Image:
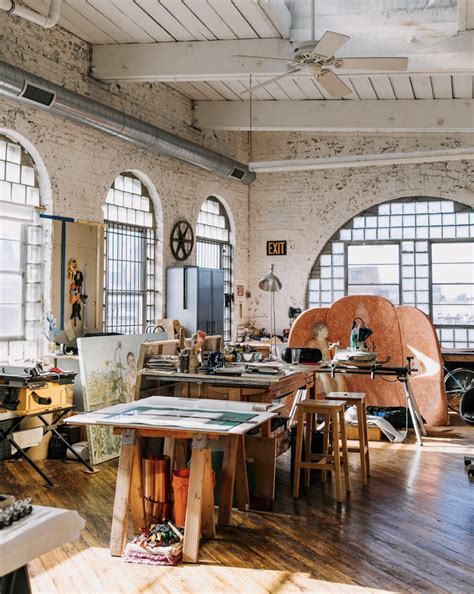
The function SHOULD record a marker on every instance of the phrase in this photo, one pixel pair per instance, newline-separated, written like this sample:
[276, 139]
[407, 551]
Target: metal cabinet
[195, 297]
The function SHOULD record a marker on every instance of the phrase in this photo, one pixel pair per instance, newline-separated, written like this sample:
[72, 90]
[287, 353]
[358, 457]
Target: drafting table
[174, 418]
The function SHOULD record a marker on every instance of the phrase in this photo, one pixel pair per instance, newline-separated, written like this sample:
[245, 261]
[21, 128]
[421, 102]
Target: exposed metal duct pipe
[11, 7]
[37, 92]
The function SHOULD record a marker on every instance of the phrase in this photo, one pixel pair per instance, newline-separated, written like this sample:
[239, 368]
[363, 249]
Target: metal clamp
[129, 437]
[200, 441]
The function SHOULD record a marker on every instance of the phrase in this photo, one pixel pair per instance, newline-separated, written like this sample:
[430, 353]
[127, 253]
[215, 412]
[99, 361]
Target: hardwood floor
[410, 530]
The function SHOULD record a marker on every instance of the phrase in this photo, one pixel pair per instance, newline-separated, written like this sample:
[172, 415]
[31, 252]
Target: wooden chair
[334, 454]
[357, 399]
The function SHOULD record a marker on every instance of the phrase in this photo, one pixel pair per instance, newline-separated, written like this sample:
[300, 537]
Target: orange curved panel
[378, 314]
[301, 332]
[420, 341]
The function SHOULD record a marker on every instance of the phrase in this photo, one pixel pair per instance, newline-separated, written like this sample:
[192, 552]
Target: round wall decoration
[182, 240]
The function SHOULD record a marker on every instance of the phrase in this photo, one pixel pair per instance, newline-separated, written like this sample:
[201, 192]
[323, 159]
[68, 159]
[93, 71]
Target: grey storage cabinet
[195, 297]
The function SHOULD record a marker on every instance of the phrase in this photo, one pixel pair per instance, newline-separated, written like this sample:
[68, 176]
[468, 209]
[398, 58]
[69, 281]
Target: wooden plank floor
[411, 530]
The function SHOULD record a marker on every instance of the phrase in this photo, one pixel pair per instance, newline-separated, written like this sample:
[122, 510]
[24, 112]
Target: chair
[334, 454]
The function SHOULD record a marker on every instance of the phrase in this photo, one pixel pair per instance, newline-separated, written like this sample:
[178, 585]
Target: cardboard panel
[378, 314]
[301, 333]
[420, 341]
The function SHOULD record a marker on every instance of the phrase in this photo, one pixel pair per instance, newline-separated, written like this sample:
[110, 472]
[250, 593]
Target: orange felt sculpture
[398, 332]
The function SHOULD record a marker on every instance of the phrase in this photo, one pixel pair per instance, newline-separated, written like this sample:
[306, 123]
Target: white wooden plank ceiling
[104, 22]
[147, 21]
[376, 86]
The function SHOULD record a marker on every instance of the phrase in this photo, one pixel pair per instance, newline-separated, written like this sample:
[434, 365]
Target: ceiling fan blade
[270, 81]
[392, 64]
[329, 43]
[262, 58]
[333, 84]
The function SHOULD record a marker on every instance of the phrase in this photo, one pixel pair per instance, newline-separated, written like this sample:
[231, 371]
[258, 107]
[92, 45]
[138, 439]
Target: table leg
[336, 454]
[30, 461]
[344, 450]
[208, 519]
[367, 455]
[168, 450]
[137, 502]
[118, 536]
[228, 479]
[241, 479]
[362, 441]
[194, 510]
[307, 448]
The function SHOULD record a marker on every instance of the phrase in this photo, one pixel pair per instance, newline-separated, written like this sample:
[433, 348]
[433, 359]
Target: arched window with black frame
[129, 268]
[417, 251]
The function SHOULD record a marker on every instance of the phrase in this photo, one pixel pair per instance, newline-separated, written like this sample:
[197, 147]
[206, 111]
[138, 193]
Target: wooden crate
[373, 433]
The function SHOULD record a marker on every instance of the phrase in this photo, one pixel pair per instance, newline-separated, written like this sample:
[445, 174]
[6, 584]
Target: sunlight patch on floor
[58, 573]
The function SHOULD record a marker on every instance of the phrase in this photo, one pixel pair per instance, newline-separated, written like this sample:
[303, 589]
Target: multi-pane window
[214, 250]
[374, 270]
[416, 252]
[20, 254]
[129, 276]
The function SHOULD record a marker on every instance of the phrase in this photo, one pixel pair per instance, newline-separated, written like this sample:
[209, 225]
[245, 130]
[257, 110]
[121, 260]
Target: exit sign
[276, 248]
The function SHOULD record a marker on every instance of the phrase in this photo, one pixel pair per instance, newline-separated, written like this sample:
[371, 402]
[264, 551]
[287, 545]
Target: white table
[45, 529]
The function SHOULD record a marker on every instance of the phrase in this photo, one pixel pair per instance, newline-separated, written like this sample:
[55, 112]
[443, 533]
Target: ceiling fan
[319, 59]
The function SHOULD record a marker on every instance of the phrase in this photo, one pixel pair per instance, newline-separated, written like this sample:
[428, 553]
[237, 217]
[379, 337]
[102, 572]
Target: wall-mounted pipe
[11, 7]
[35, 91]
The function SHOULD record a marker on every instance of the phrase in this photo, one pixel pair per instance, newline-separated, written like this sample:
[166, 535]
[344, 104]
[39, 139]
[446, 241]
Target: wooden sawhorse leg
[128, 493]
[200, 505]
[234, 472]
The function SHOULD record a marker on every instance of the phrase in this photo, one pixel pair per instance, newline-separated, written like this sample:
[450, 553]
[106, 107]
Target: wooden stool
[334, 454]
[357, 399]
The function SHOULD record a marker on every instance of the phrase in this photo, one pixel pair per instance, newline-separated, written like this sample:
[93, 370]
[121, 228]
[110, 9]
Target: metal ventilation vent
[237, 173]
[38, 95]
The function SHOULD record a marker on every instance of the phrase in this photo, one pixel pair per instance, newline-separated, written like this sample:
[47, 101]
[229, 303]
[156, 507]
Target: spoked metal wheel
[456, 383]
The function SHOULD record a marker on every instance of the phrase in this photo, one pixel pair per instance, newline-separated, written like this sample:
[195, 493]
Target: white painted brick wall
[82, 163]
[307, 208]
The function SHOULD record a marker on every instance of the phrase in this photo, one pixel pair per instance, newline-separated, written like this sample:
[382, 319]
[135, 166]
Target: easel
[401, 373]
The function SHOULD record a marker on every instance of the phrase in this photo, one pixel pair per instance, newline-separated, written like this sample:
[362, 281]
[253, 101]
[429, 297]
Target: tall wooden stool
[333, 456]
[357, 399]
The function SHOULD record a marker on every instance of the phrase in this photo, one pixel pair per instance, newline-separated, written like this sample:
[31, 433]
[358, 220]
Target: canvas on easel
[108, 366]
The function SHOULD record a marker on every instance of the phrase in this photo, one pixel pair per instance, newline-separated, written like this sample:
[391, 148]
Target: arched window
[129, 275]
[412, 251]
[214, 250]
[21, 254]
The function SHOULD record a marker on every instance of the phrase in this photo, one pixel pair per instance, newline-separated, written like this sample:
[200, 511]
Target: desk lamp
[271, 284]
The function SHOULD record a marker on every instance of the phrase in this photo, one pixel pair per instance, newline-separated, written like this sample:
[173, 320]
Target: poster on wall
[108, 366]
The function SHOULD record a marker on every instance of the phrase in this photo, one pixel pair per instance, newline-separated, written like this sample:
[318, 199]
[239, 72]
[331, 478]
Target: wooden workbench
[184, 425]
[249, 387]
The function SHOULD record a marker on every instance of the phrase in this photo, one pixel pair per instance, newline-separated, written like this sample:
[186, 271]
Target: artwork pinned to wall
[108, 366]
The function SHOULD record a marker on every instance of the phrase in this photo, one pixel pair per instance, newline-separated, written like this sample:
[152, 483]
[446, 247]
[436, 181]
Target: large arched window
[214, 250]
[21, 254]
[129, 275]
[412, 251]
